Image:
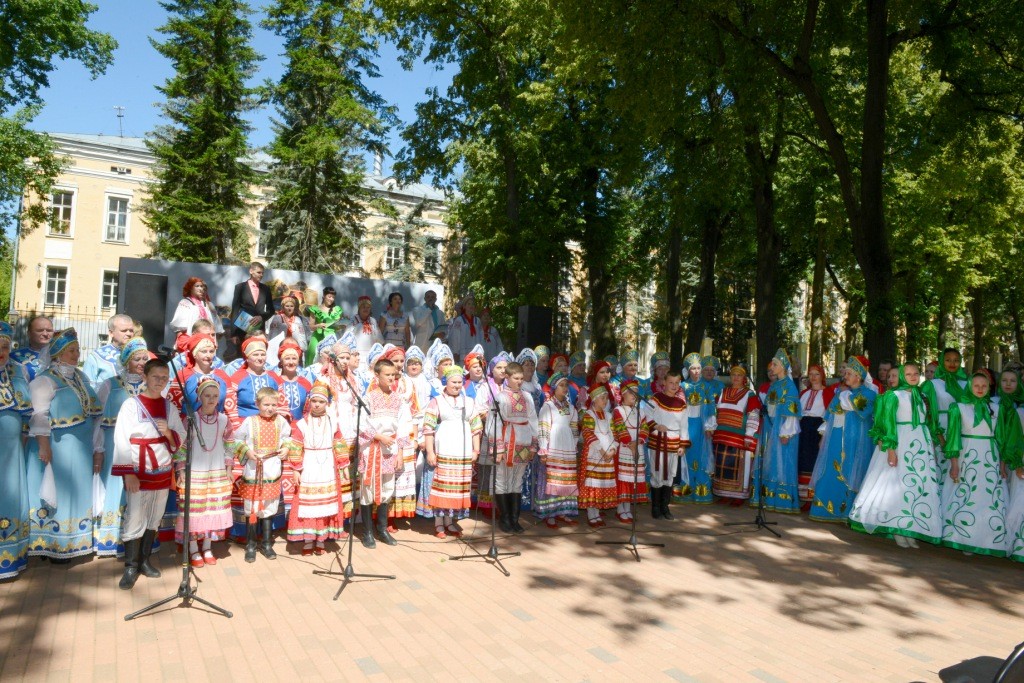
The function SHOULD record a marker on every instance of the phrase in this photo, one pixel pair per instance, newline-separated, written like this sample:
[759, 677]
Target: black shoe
[366, 512]
[656, 502]
[131, 565]
[250, 542]
[267, 548]
[145, 550]
[516, 500]
[382, 525]
[666, 498]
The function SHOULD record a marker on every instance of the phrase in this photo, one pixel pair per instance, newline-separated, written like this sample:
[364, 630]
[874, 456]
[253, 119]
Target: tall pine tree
[328, 119]
[199, 201]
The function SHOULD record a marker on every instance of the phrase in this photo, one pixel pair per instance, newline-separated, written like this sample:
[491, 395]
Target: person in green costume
[322, 319]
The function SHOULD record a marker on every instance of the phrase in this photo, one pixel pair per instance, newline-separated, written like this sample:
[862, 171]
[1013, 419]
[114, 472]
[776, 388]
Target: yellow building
[68, 268]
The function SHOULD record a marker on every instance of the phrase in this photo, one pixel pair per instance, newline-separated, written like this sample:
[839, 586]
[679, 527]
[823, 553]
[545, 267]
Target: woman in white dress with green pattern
[975, 509]
[900, 494]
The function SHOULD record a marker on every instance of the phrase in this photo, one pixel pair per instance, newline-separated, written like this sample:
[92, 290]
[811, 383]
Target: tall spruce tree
[199, 201]
[328, 119]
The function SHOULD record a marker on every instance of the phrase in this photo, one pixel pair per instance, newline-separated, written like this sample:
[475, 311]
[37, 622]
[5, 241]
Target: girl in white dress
[900, 494]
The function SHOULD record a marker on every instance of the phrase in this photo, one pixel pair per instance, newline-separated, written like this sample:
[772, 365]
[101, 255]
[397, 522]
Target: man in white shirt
[426, 319]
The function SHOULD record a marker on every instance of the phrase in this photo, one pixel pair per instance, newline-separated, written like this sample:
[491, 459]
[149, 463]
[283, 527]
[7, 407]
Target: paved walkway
[717, 604]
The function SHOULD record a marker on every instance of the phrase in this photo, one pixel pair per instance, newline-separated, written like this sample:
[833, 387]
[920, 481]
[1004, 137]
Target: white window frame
[103, 282]
[360, 254]
[46, 285]
[73, 191]
[404, 251]
[261, 234]
[127, 198]
[435, 245]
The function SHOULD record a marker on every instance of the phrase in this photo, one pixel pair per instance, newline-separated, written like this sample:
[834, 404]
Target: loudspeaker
[534, 328]
[144, 299]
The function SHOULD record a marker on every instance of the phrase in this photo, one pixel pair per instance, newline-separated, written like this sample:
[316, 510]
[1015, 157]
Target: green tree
[33, 35]
[329, 118]
[199, 201]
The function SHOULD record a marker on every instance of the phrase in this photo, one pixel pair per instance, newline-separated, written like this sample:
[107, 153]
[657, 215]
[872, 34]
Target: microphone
[166, 351]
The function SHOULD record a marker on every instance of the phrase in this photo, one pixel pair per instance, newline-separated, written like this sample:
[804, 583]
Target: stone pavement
[717, 604]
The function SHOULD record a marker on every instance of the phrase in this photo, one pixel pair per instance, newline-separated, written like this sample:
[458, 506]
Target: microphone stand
[493, 555]
[348, 572]
[186, 591]
[632, 544]
[759, 520]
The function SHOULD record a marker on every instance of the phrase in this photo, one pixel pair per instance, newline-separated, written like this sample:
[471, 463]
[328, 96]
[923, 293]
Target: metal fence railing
[90, 323]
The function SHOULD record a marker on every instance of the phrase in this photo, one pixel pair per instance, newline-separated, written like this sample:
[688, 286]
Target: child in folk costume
[404, 504]
[557, 488]
[1010, 440]
[419, 389]
[631, 483]
[147, 433]
[384, 435]
[974, 518]
[597, 461]
[210, 502]
[319, 458]
[733, 433]
[846, 448]
[261, 444]
[666, 433]
[779, 484]
[516, 427]
[451, 435]
[900, 494]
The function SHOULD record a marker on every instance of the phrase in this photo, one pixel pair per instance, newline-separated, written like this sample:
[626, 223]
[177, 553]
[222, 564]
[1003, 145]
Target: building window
[263, 235]
[352, 259]
[432, 256]
[394, 253]
[61, 204]
[108, 296]
[117, 220]
[56, 286]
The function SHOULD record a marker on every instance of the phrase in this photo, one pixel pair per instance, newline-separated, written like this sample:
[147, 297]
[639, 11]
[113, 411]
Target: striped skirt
[597, 484]
[209, 507]
[450, 485]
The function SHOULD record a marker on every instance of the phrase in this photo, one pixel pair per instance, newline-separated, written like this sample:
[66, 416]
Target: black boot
[250, 541]
[131, 565]
[145, 550]
[516, 501]
[656, 502]
[267, 549]
[366, 512]
[502, 503]
[382, 525]
[666, 498]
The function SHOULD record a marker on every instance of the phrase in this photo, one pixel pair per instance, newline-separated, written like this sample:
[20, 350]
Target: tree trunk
[703, 306]
[978, 323]
[941, 323]
[512, 216]
[599, 278]
[1018, 328]
[818, 301]
[853, 313]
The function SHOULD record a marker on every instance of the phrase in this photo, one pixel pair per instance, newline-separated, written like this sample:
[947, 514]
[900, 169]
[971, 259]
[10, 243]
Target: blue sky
[76, 104]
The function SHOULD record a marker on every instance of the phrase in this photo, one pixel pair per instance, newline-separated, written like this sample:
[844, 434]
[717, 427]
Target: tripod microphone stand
[632, 544]
[759, 520]
[348, 572]
[493, 555]
[186, 591]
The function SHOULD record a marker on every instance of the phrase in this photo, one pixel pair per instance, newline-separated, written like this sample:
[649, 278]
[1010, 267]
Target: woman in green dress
[322, 320]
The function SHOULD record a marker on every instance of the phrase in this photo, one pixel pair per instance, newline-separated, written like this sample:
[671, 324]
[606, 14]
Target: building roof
[258, 159]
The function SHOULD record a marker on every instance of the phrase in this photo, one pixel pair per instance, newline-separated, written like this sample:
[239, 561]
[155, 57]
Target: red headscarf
[192, 343]
[555, 357]
[287, 344]
[596, 368]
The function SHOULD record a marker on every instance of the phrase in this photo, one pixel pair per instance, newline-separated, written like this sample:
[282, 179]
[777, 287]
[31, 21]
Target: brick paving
[717, 604]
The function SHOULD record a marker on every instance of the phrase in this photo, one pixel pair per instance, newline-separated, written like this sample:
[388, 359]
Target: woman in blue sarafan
[15, 409]
[846, 448]
[776, 477]
[702, 401]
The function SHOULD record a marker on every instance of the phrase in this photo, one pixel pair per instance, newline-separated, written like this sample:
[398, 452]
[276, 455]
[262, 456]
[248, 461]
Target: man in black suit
[253, 297]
